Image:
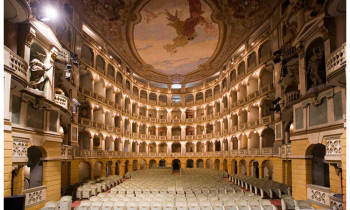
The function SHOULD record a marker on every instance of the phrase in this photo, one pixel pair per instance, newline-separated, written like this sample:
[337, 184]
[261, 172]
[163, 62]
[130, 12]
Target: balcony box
[176, 121]
[199, 136]
[209, 135]
[135, 135]
[85, 122]
[318, 195]
[110, 128]
[208, 117]
[144, 118]
[85, 91]
[143, 136]
[189, 120]
[254, 123]
[267, 120]
[333, 150]
[153, 137]
[35, 196]
[152, 102]
[153, 119]
[19, 150]
[234, 128]
[189, 137]
[176, 137]
[217, 114]
[242, 126]
[15, 63]
[99, 97]
[199, 119]
[62, 101]
[199, 101]
[162, 120]
[266, 88]
[162, 103]
[335, 66]
[176, 154]
[267, 151]
[143, 100]
[162, 137]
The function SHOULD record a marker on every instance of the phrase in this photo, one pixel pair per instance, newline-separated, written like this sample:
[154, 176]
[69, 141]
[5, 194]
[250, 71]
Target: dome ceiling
[175, 41]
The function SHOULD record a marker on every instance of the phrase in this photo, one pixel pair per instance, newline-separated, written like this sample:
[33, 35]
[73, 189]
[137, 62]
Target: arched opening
[84, 140]
[176, 164]
[254, 140]
[143, 164]
[119, 78]
[217, 164]
[267, 166]
[117, 168]
[85, 81]
[84, 171]
[217, 91]
[189, 99]
[217, 145]
[241, 69]
[134, 165]
[319, 169]
[189, 163]
[243, 142]
[200, 147]
[87, 55]
[126, 169]
[234, 143]
[265, 51]
[163, 100]
[108, 168]
[268, 137]
[100, 64]
[176, 147]
[152, 164]
[33, 171]
[208, 95]
[225, 167]
[97, 170]
[209, 163]
[162, 163]
[199, 98]
[243, 167]
[233, 76]
[200, 163]
[254, 167]
[251, 61]
[189, 147]
[234, 166]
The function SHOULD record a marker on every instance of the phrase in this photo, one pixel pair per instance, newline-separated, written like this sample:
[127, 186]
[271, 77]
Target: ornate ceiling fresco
[176, 36]
[174, 41]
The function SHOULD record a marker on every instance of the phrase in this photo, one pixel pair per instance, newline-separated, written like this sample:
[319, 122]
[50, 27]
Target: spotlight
[50, 13]
[276, 100]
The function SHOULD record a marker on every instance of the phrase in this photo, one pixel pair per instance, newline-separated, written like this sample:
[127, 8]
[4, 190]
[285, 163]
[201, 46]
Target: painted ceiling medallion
[176, 36]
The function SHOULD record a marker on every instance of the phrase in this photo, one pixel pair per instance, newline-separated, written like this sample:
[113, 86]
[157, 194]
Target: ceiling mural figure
[172, 35]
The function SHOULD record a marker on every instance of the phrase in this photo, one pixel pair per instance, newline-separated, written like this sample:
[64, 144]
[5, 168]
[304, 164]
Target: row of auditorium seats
[272, 189]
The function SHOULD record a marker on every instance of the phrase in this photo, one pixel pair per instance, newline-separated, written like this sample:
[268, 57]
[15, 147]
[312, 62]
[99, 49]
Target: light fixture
[50, 13]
